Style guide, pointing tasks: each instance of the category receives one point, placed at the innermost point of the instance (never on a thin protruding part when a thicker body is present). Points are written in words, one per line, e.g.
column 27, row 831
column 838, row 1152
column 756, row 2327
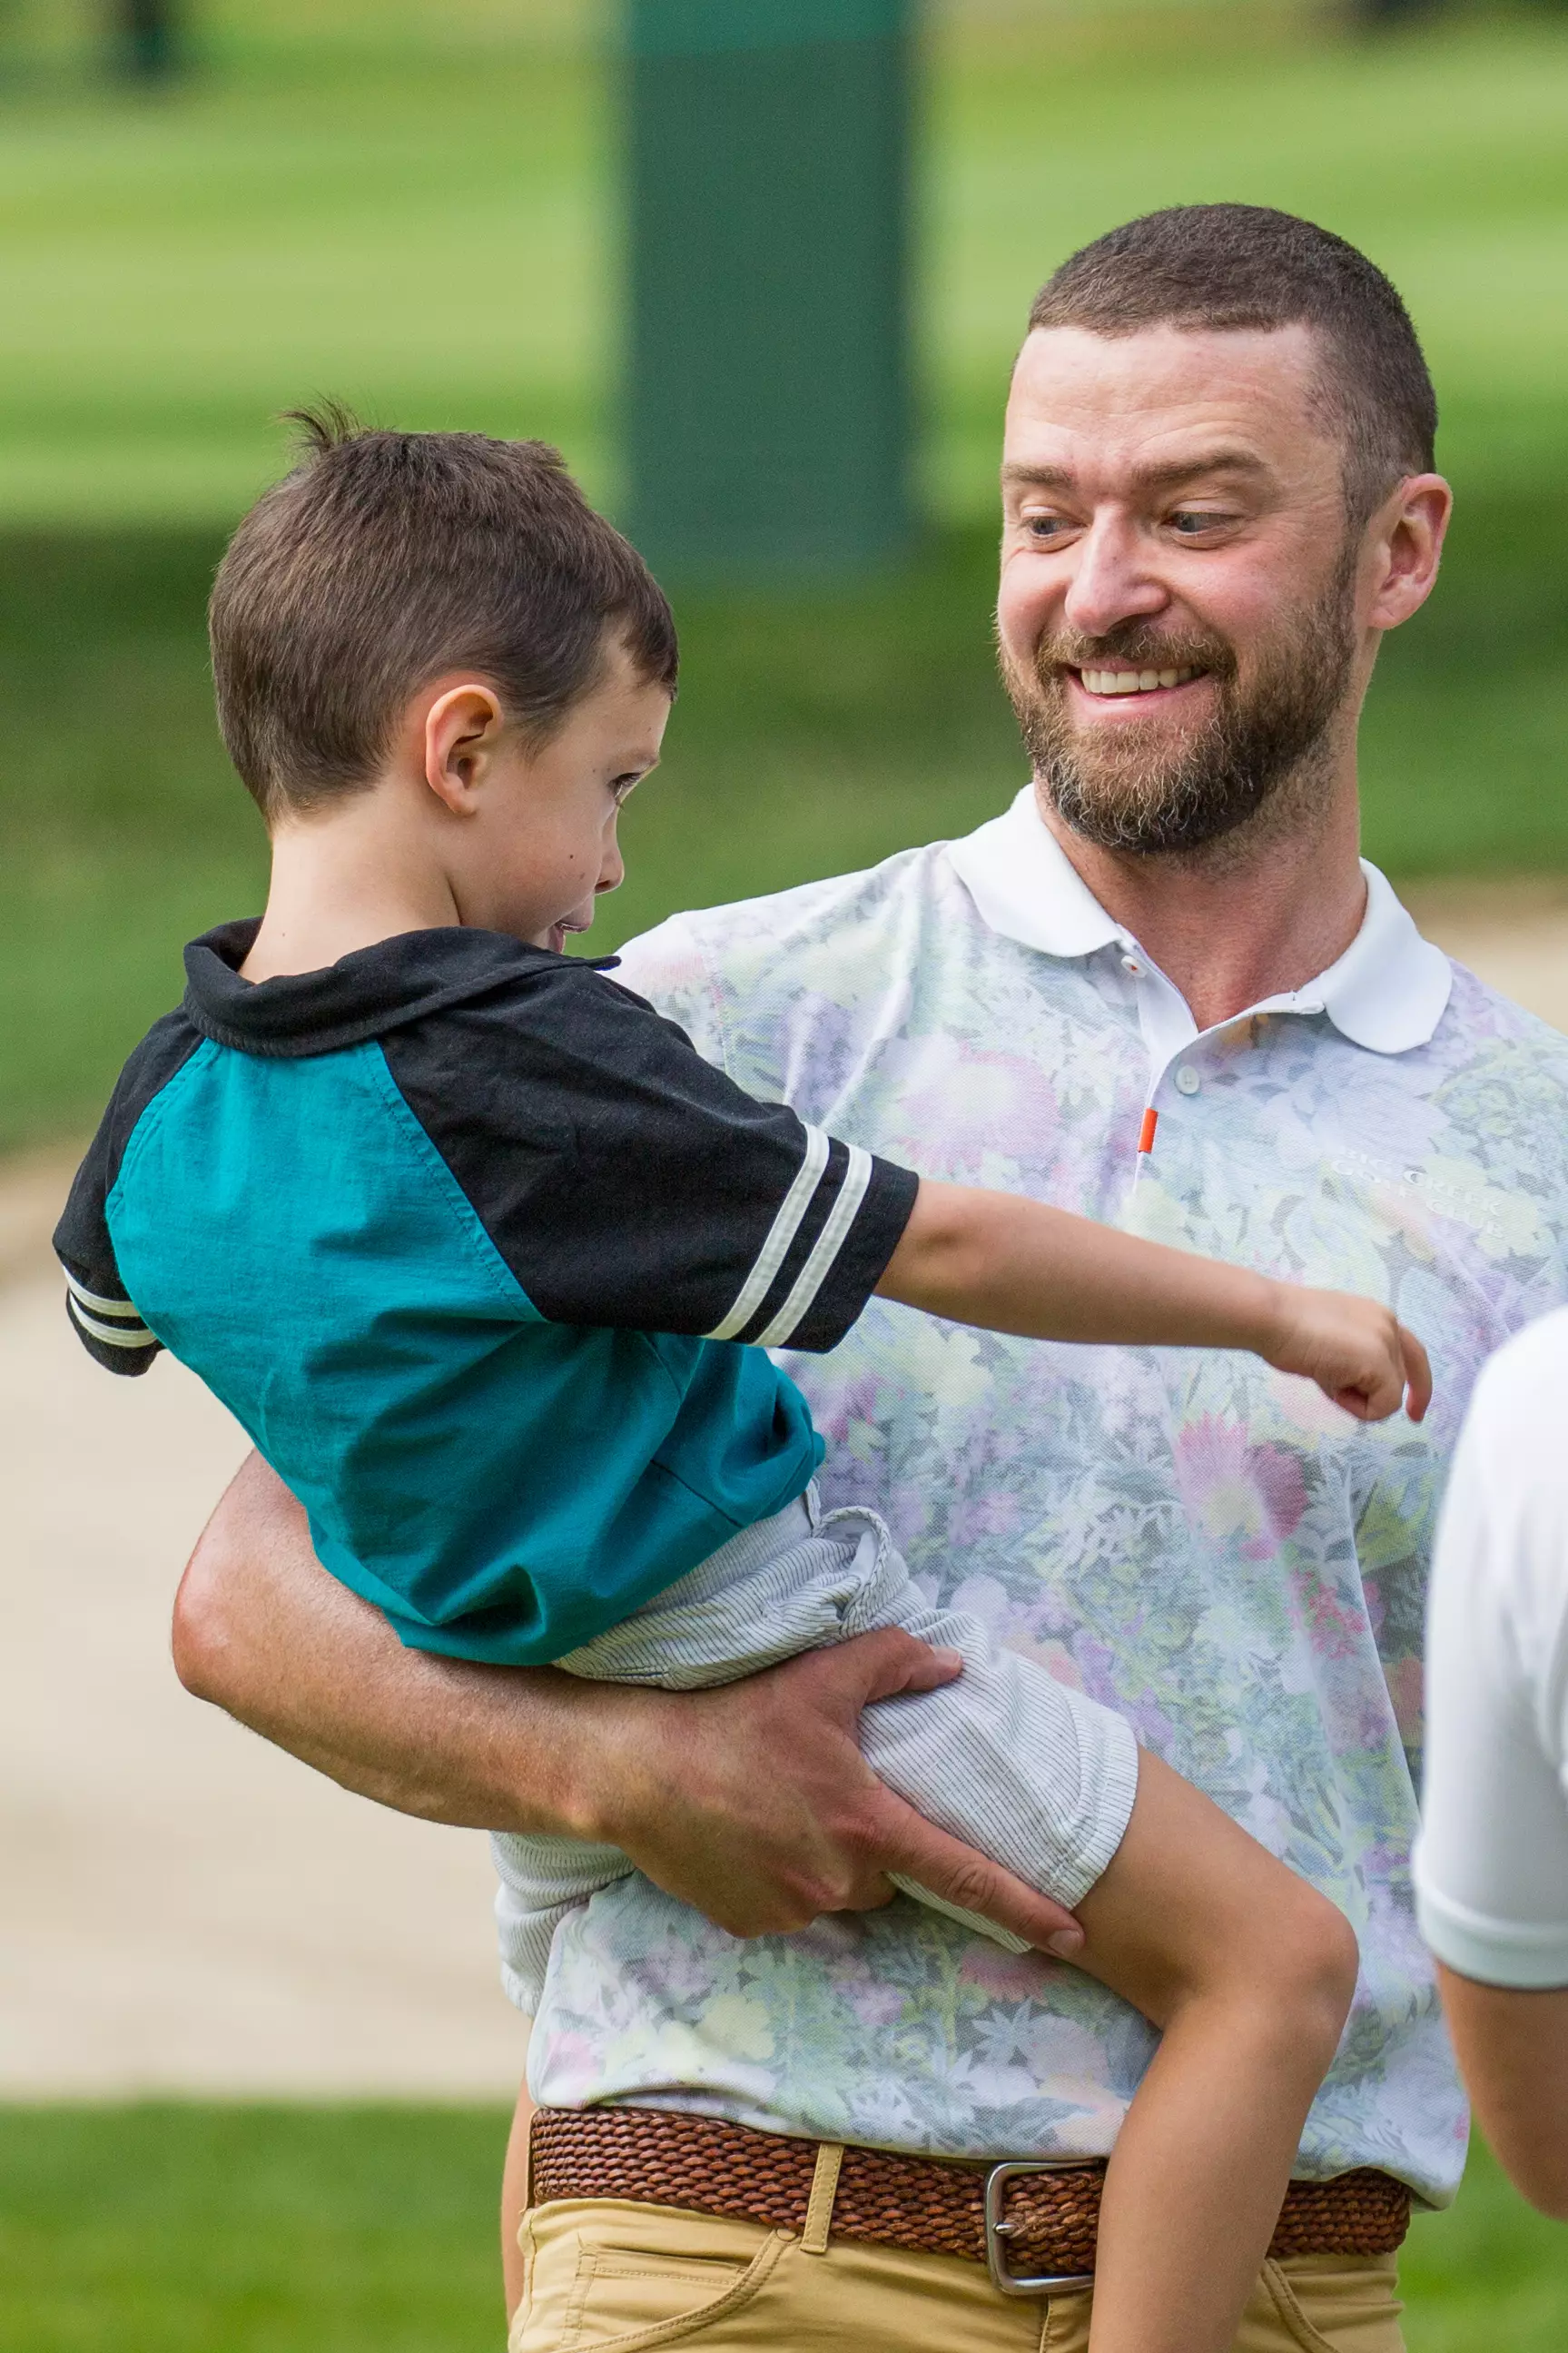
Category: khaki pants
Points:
column 601, row 2273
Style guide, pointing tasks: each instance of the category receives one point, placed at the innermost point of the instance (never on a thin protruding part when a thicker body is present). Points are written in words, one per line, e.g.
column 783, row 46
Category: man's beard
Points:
column 1139, row 789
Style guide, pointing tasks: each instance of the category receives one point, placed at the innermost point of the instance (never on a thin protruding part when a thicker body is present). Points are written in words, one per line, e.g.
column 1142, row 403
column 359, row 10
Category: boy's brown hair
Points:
column 386, row 559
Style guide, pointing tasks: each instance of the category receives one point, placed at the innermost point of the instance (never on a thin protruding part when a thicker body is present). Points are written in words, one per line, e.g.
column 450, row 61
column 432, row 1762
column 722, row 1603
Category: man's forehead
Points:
column 1159, row 398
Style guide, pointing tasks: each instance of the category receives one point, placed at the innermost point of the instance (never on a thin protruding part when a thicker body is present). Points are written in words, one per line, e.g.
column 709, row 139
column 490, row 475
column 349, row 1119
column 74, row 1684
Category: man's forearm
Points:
column 750, row 1802
column 281, row 1645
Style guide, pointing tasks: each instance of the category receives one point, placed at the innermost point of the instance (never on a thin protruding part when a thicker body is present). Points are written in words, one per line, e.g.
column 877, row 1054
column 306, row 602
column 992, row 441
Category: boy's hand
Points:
column 1358, row 1353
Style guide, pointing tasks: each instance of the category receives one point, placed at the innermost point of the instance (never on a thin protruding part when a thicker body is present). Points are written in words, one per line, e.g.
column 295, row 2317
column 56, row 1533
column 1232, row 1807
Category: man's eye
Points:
column 1047, row 527
column 1188, row 521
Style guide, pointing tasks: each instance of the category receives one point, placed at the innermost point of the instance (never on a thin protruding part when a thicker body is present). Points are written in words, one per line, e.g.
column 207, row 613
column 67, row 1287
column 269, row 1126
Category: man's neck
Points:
column 1252, row 917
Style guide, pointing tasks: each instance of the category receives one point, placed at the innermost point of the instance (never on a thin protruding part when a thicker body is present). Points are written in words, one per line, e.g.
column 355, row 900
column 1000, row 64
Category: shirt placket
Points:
column 1173, row 1041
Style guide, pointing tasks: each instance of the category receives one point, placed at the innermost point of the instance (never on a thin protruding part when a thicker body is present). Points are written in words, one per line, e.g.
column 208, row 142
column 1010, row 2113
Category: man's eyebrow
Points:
column 1021, row 476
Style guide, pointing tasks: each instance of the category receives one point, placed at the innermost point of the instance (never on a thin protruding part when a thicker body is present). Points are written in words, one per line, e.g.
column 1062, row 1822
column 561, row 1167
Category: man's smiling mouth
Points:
column 1131, row 681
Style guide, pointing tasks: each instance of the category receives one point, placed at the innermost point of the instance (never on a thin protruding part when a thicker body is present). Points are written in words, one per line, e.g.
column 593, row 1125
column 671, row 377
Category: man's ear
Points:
column 1406, row 544
column 462, row 727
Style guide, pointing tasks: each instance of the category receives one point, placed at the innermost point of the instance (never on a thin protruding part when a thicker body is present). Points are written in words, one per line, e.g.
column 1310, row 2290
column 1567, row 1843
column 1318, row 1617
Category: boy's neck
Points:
column 342, row 883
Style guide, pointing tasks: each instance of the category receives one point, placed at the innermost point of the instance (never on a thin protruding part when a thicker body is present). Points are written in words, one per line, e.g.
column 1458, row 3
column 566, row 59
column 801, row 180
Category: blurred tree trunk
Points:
column 767, row 373
column 1392, row 12
column 146, row 37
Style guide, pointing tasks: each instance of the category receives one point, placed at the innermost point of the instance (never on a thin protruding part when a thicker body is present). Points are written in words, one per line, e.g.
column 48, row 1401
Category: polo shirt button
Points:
column 1131, row 965
column 1187, row 1080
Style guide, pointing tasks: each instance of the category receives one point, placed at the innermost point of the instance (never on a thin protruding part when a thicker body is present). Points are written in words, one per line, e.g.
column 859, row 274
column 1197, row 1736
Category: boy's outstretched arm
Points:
column 1014, row 1265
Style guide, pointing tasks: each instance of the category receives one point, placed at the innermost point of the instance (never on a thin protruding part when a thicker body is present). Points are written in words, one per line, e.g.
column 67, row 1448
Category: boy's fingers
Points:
column 917, row 1850
column 1417, row 1375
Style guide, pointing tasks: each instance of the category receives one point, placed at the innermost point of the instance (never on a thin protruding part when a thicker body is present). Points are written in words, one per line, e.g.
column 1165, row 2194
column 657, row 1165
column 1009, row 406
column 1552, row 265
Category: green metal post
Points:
column 148, row 38
column 767, row 392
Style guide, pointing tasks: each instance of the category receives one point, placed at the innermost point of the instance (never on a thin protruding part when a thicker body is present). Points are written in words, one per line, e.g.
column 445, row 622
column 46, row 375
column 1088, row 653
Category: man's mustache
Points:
column 1135, row 646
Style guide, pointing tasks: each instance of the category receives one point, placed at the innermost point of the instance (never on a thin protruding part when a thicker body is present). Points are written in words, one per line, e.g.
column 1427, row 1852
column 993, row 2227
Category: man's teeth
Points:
column 1132, row 681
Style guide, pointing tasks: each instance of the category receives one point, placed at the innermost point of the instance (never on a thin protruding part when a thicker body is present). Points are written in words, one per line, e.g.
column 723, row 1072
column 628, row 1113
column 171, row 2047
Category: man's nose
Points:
column 1113, row 579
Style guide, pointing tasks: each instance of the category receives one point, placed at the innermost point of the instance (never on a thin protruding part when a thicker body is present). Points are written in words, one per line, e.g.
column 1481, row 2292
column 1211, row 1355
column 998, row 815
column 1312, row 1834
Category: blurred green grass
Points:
column 424, row 236
column 188, row 2228
column 413, row 207
column 197, row 2229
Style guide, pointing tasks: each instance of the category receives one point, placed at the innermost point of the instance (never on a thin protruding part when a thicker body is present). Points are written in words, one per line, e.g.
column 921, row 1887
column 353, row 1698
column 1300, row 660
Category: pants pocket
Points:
column 628, row 2297
column 1328, row 2304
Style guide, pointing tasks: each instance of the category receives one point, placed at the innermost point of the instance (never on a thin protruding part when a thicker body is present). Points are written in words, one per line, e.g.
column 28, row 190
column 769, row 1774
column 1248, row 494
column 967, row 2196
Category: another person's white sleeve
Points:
column 1492, row 1868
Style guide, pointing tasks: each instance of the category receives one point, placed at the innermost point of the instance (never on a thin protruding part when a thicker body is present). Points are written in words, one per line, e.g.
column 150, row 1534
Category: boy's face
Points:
column 545, row 846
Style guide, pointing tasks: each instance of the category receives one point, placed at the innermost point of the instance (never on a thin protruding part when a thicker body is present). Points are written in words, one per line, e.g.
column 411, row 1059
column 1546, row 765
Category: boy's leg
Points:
column 1007, row 1758
column 1246, row 1971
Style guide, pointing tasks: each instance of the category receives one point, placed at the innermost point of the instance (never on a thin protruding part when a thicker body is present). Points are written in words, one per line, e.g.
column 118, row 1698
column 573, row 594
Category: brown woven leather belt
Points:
column 1046, row 2215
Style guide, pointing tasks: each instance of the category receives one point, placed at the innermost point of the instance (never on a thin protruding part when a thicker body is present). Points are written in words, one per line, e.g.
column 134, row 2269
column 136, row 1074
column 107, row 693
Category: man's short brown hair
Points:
column 385, row 560
column 1237, row 265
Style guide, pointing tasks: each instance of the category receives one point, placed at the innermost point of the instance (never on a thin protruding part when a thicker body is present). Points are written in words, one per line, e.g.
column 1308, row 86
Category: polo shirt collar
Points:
column 1387, row 992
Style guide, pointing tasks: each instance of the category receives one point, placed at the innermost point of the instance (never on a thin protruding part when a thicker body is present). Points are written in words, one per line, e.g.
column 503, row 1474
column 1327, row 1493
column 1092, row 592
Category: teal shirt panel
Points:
column 502, row 1487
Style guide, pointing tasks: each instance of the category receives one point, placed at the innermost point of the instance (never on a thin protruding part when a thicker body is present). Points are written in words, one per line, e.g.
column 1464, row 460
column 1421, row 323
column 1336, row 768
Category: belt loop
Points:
column 819, row 2206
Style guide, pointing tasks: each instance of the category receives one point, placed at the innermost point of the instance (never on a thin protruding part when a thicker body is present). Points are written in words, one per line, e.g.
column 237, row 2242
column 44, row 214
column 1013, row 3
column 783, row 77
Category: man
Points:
column 1162, row 989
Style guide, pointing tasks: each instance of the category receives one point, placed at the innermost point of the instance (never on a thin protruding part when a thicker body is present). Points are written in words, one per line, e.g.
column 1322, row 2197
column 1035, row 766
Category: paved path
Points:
column 183, row 1908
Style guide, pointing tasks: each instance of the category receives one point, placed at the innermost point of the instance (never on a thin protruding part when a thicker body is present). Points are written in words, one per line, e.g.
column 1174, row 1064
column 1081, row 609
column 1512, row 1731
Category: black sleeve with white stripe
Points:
column 103, row 1317
column 628, row 1182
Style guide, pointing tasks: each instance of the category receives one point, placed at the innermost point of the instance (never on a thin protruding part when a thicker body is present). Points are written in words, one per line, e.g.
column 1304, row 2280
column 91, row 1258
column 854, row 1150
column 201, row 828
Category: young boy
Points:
column 487, row 1260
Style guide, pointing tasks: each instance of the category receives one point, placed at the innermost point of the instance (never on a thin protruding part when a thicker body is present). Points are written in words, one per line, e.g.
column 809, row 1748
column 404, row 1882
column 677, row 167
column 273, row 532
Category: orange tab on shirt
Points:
column 1146, row 1133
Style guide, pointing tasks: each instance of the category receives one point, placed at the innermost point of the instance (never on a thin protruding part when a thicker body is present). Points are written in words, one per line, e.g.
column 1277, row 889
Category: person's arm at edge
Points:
column 1512, row 2049
column 1491, row 1864
column 752, row 1803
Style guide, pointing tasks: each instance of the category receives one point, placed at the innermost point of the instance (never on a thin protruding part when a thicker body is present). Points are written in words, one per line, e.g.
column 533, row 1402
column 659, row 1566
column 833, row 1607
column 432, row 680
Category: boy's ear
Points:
column 462, row 727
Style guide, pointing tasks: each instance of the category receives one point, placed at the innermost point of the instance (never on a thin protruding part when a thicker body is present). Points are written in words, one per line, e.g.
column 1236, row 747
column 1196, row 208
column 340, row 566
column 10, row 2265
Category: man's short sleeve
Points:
column 1492, row 1863
column 630, row 1184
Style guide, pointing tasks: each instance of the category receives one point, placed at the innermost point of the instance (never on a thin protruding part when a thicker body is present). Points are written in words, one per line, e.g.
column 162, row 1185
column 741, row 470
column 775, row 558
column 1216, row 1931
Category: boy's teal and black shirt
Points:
column 465, row 1235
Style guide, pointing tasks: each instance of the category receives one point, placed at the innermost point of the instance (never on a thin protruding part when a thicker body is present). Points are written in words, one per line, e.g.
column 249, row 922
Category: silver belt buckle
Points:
column 997, row 2230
